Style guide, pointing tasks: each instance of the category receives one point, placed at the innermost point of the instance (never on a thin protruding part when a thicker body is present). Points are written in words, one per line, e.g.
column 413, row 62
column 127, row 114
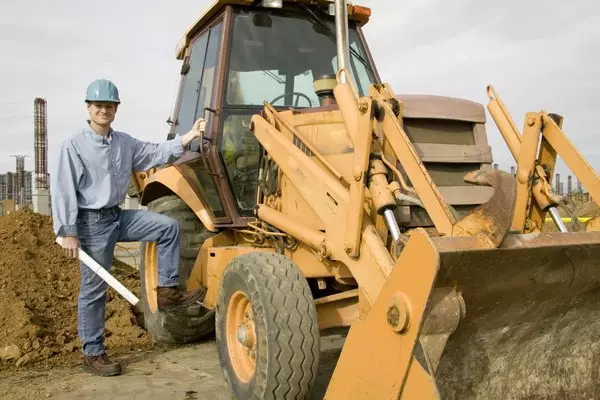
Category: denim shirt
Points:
column 94, row 172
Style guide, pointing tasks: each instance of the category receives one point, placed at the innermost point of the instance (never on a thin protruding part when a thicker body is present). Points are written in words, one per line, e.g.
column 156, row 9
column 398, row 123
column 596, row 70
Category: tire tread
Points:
column 294, row 340
column 171, row 326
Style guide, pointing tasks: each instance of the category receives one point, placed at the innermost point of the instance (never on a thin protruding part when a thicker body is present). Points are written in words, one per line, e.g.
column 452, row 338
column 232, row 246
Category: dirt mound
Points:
column 582, row 209
column 39, row 287
column 589, row 209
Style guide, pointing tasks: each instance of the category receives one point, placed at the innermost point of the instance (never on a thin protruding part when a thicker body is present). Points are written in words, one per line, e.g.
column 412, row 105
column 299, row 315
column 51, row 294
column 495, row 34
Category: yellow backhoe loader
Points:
column 318, row 198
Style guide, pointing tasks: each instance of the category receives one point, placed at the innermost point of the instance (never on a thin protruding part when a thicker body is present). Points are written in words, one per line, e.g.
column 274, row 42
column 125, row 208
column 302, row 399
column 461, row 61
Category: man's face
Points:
column 102, row 113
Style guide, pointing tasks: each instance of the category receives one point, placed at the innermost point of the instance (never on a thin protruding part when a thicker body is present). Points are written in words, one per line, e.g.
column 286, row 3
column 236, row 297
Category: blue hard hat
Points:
column 102, row 90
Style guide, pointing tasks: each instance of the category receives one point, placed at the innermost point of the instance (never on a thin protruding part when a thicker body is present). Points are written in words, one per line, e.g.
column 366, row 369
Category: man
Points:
column 92, row 177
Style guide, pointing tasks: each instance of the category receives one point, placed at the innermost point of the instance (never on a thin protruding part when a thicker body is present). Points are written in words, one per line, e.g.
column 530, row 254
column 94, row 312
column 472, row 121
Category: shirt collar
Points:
column 99, row 138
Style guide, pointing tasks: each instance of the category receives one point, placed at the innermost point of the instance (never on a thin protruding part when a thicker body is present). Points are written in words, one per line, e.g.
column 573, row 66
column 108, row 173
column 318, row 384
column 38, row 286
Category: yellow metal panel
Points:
column 173, row 179
column 295, row 206
column 377, row 359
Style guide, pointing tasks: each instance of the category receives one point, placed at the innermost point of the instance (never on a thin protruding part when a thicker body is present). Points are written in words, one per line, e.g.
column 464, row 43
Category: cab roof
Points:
column 217, row 5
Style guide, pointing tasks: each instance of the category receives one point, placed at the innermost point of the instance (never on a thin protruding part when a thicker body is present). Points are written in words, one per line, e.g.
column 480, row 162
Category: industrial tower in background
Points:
column 20, row 184
column 41, row 196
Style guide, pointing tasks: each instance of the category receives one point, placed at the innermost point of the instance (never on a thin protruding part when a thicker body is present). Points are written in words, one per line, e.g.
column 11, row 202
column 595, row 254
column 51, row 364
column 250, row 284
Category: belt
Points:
column 103, row 210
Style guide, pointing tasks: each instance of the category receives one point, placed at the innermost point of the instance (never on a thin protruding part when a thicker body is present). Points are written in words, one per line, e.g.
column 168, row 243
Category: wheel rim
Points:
column 241, row 336
column 151, row 275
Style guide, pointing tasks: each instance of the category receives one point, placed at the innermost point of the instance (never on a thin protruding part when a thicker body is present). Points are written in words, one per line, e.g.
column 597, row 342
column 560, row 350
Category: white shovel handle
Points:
column 105, row 275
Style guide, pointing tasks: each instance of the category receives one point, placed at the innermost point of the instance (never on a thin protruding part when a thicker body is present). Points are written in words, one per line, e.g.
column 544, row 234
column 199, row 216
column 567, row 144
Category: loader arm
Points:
column 395, row 297
column 535, row 152
column 389, row 352
column 489, row 223
column 393, row 293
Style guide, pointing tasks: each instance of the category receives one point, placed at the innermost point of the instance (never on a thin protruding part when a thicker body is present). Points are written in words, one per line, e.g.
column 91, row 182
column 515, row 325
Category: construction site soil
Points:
column 39, row 286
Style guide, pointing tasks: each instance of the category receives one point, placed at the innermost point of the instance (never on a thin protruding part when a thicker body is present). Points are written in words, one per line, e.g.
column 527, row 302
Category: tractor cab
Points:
column 235, row 58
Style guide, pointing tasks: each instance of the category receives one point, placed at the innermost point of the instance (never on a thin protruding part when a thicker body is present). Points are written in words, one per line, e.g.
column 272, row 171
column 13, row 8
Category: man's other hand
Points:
column 199, row 126
column 71, row 246
column 197, row 130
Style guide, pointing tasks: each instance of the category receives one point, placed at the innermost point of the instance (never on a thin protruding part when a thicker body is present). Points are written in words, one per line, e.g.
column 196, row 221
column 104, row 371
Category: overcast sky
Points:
column 538, row 54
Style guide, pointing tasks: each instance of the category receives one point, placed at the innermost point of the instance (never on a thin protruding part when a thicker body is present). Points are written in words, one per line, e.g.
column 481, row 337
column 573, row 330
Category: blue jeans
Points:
column 99, row 231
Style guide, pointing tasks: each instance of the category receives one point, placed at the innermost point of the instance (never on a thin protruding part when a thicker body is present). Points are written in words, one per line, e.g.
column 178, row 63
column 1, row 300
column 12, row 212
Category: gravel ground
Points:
column 176, row 373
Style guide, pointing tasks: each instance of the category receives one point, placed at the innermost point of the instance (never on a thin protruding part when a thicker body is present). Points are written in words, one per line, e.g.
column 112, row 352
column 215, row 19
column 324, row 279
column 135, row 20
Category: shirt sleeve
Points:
column 63, row 188
column 147, row 155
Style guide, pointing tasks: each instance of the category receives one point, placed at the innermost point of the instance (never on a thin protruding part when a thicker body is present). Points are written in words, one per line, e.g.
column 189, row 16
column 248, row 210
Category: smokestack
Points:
column 558, row 186
column 28, row 188
column 3, row 191
column 512, row 171
column 10, row 186
column 569, row 185
column 20, row 181
column 40, row 143
column 579, row 187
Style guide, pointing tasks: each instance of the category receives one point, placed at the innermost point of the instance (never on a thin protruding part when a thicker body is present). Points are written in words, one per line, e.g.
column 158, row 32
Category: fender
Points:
column 180, row 180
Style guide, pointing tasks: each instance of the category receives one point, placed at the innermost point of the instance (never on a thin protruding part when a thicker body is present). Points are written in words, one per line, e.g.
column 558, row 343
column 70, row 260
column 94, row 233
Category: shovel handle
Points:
column 105, row 275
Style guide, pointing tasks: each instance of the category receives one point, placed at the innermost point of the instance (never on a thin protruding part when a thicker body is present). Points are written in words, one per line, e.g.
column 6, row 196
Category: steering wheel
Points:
column 292, row 93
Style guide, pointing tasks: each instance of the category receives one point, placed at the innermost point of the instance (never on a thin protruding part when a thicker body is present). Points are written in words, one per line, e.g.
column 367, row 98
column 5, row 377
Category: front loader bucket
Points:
column 531, row 327
column 521, row 321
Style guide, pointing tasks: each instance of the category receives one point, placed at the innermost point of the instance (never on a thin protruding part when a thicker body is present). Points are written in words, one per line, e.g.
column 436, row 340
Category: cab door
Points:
column 197, row 98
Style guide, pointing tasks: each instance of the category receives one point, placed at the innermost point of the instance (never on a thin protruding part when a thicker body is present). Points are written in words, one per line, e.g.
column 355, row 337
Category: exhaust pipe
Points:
column 341, row 32
column 345, row 97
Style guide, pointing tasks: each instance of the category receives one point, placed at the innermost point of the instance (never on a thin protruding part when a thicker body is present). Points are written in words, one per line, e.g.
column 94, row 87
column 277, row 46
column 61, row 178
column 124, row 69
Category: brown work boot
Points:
column 169, row 297
column 101, row 365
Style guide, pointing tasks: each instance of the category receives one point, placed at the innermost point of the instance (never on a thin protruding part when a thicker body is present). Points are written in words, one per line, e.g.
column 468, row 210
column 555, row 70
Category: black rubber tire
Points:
column 191, row 323
column 286, row 325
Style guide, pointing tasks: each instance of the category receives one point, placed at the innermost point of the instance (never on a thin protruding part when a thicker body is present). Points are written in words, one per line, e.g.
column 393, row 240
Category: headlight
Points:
column 272, row 3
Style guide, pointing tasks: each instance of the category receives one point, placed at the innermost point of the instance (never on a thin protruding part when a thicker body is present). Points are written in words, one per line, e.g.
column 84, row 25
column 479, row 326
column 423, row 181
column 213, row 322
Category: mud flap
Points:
column 378, row 360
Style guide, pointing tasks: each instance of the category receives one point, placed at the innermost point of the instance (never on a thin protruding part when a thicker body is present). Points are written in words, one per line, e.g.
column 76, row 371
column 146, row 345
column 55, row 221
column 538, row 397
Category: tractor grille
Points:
column 302, row 146
column 439, row 131
column 447, row 174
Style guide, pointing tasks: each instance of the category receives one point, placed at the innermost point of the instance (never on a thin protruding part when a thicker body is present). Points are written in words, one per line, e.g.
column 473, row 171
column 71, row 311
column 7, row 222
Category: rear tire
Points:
column 280, row 358
column 179, row 325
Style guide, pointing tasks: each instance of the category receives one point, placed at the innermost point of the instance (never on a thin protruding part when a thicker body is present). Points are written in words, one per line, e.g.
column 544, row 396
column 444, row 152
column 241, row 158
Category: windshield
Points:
column 277, row 54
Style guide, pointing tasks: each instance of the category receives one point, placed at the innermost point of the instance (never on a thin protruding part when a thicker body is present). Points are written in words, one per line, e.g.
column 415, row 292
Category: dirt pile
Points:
column 39, row 287
column 582, row 210
column 589, row 209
